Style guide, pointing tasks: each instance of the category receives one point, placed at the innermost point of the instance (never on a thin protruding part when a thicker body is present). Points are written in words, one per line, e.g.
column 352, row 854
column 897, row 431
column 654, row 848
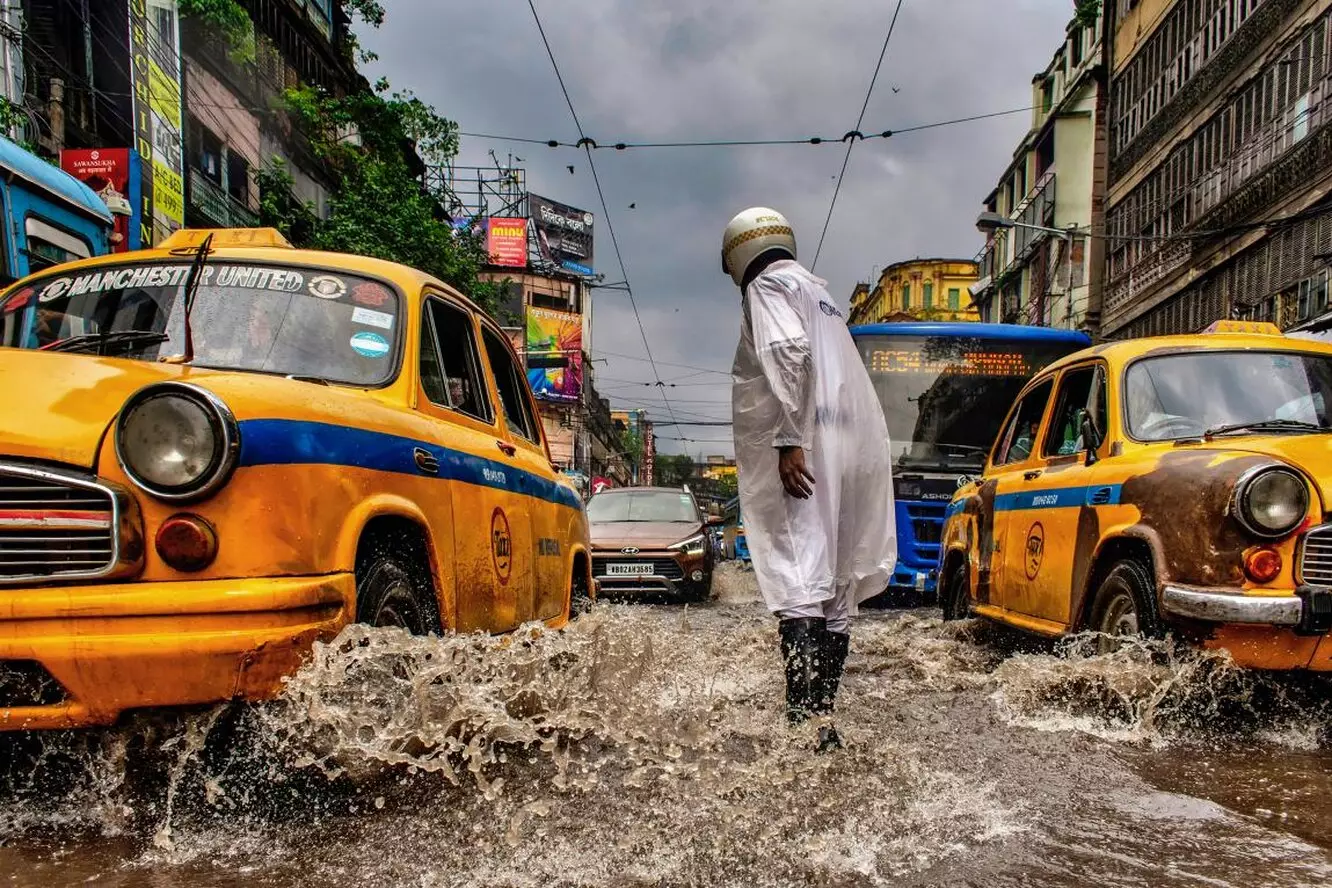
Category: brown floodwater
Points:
column 645, row 746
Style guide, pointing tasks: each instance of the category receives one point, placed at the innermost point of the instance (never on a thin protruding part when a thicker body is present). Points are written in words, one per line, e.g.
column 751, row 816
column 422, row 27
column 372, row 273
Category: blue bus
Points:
column 945, row 389
column 51, row 217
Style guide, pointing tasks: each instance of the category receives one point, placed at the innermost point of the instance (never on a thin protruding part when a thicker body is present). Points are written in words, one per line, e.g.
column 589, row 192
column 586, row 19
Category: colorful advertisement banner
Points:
column 555, row 354
column 114, row 173
column 506, row 242
column 154, row 36
column 564, row 233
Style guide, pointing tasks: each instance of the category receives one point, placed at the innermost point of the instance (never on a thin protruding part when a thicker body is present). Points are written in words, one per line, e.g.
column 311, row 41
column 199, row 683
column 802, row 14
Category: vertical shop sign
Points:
column 155, row 71
column 506, row 242
column 114, row 174
column 555, row 354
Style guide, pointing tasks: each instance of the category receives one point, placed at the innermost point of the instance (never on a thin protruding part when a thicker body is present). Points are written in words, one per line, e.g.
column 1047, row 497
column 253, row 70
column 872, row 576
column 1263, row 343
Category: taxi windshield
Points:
column 646, row 506
column 1193, row 394
column 266, row 318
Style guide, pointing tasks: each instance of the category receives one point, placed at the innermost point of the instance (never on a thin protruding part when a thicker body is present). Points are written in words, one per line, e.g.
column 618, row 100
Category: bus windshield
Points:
column 945, row 396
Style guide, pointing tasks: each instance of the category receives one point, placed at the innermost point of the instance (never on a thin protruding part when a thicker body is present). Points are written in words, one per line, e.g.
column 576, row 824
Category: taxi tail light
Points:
column 186, row 542
column 1262, row 564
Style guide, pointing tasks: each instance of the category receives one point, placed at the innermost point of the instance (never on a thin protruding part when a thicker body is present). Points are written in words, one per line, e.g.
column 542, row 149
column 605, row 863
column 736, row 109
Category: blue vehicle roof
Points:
column 1016, row 332
column 57, row 183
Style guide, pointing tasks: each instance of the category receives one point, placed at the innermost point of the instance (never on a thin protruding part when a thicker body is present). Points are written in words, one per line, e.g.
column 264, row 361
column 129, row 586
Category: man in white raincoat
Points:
column 812, row 450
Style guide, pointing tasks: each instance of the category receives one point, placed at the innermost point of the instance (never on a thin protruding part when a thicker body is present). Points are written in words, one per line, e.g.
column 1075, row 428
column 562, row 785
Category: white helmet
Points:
column 752, row 233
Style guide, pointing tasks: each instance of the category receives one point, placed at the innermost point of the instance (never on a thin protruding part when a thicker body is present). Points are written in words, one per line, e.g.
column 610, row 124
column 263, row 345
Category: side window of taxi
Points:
column 1019, row 437
column 517, row 410
column 1081, row 391
column 450, row 369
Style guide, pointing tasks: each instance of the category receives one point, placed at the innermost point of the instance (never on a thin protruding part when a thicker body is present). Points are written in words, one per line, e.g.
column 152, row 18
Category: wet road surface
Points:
column 644, row 746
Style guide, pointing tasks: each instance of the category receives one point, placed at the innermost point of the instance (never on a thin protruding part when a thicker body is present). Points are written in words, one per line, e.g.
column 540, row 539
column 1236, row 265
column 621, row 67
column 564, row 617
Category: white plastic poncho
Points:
column 799, row 380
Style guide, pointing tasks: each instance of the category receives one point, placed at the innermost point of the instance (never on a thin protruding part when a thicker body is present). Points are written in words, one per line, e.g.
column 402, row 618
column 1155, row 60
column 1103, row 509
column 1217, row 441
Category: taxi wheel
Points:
column 1123, row 606
column 390, row 594
column 954, row 601
column 580, row 598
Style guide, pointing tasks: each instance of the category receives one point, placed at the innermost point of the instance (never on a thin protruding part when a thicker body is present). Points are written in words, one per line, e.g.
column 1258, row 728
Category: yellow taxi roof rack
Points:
column 223, row 238
column 1252, row 328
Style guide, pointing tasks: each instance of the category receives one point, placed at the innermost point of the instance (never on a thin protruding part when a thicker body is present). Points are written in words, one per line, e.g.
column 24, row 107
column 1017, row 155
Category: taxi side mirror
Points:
column 1091, row 438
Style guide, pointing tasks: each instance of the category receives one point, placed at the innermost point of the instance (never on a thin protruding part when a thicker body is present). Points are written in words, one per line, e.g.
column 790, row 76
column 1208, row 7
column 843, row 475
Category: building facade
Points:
column 918, row 289
column 1054, row 181
column 1220, row 163
column 177, row 117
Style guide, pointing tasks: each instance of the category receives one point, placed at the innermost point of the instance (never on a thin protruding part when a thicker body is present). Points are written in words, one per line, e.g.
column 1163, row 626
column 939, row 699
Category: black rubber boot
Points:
column 802, row 651
column 834, row 647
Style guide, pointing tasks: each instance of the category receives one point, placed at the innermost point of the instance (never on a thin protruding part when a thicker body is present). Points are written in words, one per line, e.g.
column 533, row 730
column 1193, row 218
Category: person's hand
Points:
column 797, row 480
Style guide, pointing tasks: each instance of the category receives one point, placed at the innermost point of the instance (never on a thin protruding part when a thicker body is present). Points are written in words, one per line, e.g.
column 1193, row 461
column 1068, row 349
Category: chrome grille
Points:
column 1316, row 557
column 54, row 526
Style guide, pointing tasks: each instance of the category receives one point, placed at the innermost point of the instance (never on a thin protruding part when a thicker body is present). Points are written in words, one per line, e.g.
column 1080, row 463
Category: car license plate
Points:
column 629, row 570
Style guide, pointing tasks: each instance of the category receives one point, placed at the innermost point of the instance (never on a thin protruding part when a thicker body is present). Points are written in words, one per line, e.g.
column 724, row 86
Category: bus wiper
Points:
column 100, row 341
column 1266, row 425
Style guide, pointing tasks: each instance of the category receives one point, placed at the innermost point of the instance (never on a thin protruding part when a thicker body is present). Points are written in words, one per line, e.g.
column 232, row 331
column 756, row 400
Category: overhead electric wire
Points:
column 837, row 189
column 605, row 208
column 853, row 136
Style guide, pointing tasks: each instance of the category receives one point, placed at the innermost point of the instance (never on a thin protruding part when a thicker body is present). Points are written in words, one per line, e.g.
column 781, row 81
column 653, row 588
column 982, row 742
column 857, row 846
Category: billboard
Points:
column 563, row 232
column 114, row 173
column 555, row 354
column 506, row 242
column 154, row 41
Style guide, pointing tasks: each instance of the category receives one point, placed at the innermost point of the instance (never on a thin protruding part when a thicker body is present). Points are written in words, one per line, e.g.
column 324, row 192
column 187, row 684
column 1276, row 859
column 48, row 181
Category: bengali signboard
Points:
column 555, row 354
column 115, row 175
column 155, row 72
column 563, row 232
column 506, row 242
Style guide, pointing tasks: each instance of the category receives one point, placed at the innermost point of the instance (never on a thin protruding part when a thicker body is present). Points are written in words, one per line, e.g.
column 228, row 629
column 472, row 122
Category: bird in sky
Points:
column 570, row 169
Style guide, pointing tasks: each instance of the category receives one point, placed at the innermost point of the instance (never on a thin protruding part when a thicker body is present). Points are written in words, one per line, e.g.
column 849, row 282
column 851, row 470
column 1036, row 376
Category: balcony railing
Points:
column 210, row 200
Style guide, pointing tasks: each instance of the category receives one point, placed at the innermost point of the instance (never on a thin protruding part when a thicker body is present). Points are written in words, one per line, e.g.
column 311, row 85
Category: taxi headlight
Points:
column 1271, row 502
column 691, row 546
column 176, row 441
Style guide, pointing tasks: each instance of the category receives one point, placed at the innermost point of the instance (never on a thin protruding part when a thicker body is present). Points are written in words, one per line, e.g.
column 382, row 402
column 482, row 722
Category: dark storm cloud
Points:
column 700, row 69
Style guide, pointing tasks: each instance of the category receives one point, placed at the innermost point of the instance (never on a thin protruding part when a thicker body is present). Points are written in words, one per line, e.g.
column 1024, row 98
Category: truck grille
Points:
column 661, row 567
column 53, row 526
column 1316, row 557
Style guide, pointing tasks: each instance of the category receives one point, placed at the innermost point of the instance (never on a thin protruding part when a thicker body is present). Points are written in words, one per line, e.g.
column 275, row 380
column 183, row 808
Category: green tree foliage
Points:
column 674, row 470
column 1086, row 12
column 379, row 206
column 231, row 21
column 365, row 141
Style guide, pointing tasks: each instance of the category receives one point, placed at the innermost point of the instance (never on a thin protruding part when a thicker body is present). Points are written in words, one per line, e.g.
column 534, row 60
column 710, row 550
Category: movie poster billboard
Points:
column 564, row 233
column 115, row 175
column 506, row 242
column 555, row 354
column 155, row 72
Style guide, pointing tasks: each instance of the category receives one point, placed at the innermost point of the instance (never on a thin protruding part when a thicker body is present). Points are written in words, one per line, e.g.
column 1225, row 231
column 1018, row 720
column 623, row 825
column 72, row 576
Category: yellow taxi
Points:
column 1178, row 484
column 216, row 452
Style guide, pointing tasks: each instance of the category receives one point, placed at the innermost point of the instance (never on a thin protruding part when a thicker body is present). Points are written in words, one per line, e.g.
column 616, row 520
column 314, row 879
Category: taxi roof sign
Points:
column 191, row 238
column 1255, row 328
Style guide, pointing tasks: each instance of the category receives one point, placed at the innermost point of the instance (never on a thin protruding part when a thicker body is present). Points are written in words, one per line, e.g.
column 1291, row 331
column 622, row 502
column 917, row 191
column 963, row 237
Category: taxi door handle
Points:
column 1032, row 475
column 426, row 463
column 505, row 448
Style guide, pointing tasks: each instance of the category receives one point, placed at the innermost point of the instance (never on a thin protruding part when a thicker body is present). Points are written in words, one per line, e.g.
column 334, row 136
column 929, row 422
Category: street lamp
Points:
column 988, row 223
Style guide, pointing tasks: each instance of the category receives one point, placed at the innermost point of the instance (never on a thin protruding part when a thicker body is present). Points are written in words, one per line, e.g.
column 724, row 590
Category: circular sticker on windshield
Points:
column 327, row 287
column 370, row 345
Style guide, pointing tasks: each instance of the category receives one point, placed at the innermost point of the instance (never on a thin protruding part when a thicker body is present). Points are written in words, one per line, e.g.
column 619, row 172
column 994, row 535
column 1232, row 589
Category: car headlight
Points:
column 1271, row 502
column 692, row 546
column 176, row 441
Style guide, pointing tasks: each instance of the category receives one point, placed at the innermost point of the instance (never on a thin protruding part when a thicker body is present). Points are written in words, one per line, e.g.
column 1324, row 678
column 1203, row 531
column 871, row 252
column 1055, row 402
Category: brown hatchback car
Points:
column 651, row 540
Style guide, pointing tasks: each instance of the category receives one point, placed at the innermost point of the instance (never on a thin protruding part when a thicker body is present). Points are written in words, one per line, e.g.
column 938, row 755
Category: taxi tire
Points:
column 1129, row 582
column 580, row 597
column 387, row 586
column 954, row 601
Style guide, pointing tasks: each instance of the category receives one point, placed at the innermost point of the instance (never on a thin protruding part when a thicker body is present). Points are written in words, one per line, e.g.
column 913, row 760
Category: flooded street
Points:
column 645, row 746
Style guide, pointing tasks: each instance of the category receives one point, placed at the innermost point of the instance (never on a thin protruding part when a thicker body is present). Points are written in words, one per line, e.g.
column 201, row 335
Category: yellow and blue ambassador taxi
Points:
column 216, row 452
column 1175, row 483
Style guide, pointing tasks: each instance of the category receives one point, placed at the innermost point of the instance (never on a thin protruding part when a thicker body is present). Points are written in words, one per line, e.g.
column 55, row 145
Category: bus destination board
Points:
column 967, row 363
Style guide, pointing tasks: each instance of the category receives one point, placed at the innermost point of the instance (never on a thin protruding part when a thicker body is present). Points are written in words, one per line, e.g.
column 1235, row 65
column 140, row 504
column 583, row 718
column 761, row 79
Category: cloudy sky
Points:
column 689, row 70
